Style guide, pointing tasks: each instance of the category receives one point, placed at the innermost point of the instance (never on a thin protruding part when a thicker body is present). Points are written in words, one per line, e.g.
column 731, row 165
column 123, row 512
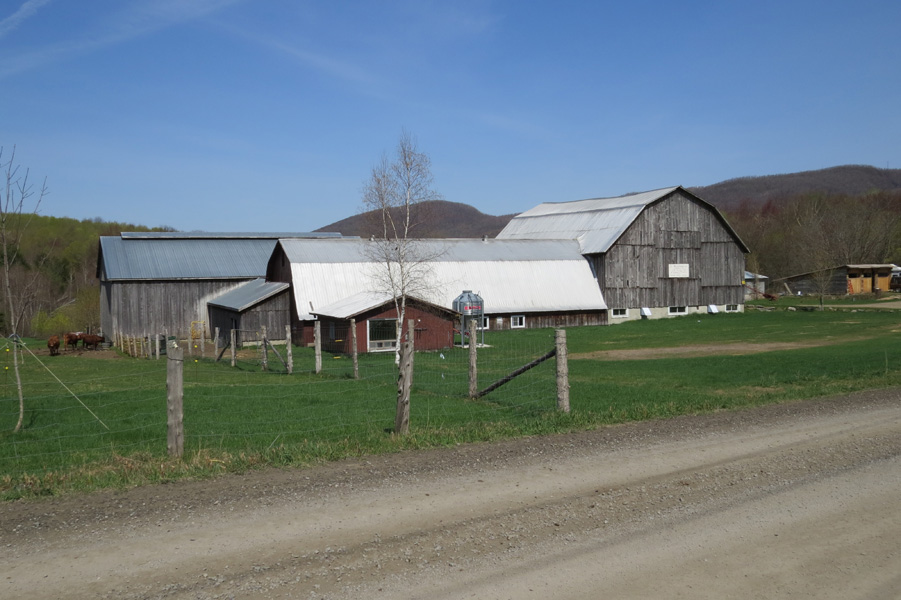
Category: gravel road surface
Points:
column 801, row 500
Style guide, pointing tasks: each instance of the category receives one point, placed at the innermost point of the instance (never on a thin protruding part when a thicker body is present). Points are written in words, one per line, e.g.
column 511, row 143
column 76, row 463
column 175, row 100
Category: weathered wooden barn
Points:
column 838, row 281
column 659, row 253
column 524, row 283
column 375, row 322
column 249, row 308
column 154, row 282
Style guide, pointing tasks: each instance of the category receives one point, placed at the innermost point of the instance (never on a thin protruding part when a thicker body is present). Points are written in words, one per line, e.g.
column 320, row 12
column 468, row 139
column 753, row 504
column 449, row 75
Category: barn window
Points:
column 518, row 321
column 620, row 313
column 484, row 323
column 732, row 308
column 382, row 334
column 677, row 310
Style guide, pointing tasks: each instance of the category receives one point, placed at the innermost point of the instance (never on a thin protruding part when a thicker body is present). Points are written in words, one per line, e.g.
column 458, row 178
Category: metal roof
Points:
column 249, row 294
column 361, row 302
column 511, row 275
column 595, row 223
column 344, row 250
column 166, row 259
column 206, row 235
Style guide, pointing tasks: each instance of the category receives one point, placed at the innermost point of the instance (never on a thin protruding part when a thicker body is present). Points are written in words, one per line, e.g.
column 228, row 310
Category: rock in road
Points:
column 800, row 500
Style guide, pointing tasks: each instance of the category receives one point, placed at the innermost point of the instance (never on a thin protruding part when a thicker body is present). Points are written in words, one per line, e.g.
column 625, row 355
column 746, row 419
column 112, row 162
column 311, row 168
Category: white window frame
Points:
column 732, row 308
column 380, row 345
column 484, row 323
column 623, row 313
column 677, row 310
column 520, row 319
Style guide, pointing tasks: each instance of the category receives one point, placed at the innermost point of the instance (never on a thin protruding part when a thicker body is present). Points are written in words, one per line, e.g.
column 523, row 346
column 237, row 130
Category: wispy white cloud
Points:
column 28, row 8
column 136, row 20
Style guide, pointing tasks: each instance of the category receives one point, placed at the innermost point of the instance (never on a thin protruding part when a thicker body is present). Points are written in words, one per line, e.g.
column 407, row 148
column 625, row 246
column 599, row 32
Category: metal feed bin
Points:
column 471, row 306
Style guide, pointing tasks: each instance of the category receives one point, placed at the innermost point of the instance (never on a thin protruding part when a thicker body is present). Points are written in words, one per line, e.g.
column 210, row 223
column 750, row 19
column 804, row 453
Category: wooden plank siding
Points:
column 272, row 312
column 634, row 273
column 132, row 308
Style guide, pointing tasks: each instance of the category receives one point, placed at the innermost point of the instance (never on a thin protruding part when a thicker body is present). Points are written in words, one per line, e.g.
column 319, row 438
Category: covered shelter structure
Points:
column 838, row 281
column 525, row 284
column 250, row 307
column 374, row 318
column 660, row 253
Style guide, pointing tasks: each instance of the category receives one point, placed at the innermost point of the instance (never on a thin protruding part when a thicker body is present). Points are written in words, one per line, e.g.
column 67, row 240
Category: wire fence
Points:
column 86, row 407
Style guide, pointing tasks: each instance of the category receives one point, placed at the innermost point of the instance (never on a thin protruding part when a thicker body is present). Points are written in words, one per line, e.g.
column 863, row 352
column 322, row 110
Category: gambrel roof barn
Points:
column 656, row 253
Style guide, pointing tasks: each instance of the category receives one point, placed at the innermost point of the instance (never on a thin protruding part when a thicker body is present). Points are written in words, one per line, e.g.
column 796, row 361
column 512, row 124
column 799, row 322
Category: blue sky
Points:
column 267, row 115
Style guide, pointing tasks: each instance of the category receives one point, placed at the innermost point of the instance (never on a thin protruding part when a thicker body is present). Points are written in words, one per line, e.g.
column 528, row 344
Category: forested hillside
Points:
column 752, row 193
column 54, row 274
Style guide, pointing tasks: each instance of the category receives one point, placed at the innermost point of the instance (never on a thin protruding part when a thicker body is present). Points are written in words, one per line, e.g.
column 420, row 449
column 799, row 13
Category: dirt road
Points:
column 800, row 501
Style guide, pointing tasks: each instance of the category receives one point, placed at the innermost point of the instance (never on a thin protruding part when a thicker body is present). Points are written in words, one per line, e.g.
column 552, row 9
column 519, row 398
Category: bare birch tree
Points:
column 16, row 194
column 394, row 189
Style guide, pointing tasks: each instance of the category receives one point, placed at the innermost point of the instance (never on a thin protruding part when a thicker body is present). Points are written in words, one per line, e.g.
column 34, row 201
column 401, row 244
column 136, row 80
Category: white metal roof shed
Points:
column 511, row 275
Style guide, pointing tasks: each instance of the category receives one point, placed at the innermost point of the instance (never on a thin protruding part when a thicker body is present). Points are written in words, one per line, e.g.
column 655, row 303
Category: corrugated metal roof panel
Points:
column 351, row 306
column 596, row 223
column 347, row 250
column 143, row 259
column 526, row 285
column 206, row 235
column 249, row 294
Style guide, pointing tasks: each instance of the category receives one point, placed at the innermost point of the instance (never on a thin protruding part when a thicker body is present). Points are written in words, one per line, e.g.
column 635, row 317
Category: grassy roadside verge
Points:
column 235, row 418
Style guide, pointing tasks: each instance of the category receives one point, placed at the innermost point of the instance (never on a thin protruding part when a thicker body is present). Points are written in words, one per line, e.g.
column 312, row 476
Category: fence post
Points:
column 473, row 360
column 317, row 342
column 234, row 338
column 404, row 383
column 353, row 350
column 562, row 371
column 264, row 348
column 288, row 350
column 175, row 365
column 216, row 344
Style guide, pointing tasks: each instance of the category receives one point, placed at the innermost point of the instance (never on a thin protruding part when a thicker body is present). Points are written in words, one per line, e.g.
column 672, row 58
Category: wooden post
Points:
column 562, row 371
column 156, row 341
column 317, row 343
column 175, row 365
column 473, row 360
column 216, row 343
column 353, row 348
column 202, row 340
column 404, row 383
column 265, row 348
column 288, row 350
column 234, row 338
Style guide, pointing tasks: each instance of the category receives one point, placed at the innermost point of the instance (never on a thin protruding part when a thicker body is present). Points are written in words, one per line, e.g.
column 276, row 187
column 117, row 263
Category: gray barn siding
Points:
column 137, row 306
column 272, row 312
column 677, row 229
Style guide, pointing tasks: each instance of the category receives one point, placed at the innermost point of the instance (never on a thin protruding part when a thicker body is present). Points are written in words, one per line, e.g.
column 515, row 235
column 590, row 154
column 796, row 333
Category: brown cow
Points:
column 91, row 341
column 53, row 344
column 71, row 339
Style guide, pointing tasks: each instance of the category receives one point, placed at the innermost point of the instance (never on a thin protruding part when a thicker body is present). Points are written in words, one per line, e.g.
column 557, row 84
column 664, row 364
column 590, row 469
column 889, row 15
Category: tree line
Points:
column 814, row 231
column 54, row 274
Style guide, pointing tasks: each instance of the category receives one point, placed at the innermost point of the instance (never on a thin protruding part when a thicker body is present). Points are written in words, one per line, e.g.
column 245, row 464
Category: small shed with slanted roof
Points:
column 375, row 320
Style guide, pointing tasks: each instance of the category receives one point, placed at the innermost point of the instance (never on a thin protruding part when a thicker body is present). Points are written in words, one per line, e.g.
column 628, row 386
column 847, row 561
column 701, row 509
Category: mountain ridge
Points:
column 443, row 218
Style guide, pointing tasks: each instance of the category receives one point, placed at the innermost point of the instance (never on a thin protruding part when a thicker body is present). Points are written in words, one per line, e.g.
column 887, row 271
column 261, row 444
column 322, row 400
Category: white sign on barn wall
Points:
column 678, row 271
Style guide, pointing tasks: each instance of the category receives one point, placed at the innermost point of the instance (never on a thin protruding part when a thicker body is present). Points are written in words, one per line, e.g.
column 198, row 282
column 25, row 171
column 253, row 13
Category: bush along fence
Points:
column 176, row 361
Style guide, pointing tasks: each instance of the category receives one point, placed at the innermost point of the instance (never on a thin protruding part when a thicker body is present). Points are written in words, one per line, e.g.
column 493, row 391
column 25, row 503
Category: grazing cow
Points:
column 71, row 339
column 53, row 344
column 91, row 341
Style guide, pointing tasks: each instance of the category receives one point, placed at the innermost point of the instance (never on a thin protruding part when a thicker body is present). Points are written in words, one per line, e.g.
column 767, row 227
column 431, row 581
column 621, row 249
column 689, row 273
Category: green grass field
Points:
column 94, row 422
